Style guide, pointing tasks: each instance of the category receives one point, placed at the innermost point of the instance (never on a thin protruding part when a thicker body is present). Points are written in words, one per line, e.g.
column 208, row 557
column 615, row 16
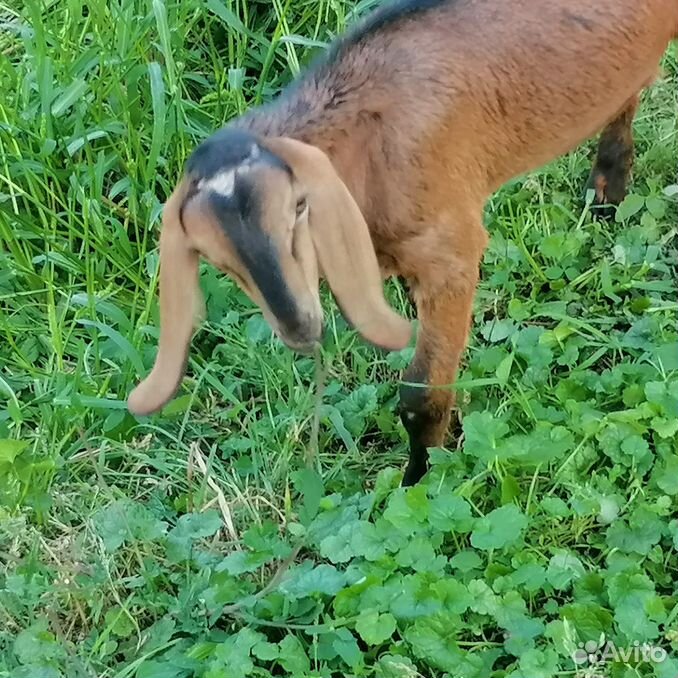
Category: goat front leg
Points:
column 426, row 395
column 614, row 160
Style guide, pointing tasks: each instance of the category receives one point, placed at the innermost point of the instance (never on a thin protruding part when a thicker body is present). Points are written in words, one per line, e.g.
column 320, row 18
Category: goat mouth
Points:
column 303, row 334
column 304, row 342
column 303, row 345
column 303, row 349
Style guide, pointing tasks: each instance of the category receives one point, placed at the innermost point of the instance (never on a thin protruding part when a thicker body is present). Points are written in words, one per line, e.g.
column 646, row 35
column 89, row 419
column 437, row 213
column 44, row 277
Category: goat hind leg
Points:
column 614, row 160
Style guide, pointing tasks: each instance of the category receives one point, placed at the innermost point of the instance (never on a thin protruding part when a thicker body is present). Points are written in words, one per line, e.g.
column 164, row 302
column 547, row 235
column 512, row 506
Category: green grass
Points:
column 197, row 543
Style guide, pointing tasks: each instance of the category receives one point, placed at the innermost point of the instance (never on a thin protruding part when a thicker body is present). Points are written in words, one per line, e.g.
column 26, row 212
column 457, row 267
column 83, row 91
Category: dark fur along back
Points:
column 388, row 13
column 325, row 84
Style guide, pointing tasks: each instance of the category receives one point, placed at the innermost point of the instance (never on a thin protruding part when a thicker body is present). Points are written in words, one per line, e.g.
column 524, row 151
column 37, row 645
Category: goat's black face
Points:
column 261, row 211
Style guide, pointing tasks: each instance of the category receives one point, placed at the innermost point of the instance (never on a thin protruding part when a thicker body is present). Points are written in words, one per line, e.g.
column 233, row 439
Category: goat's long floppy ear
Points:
column 179, row 294
column 343, row 246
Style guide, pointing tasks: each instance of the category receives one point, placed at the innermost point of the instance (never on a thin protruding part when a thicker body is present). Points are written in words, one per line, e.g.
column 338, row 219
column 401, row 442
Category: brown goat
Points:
column 382, row 157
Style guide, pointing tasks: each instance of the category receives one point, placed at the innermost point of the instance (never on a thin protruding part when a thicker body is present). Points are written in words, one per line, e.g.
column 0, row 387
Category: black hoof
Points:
column 414, row 473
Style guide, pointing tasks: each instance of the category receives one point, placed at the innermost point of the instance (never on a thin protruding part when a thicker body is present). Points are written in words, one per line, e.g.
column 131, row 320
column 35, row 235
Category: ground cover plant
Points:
column 254, row 529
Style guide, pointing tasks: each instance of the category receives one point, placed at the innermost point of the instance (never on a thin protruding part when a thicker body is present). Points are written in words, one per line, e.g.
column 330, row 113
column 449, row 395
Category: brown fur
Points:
column 425, row 117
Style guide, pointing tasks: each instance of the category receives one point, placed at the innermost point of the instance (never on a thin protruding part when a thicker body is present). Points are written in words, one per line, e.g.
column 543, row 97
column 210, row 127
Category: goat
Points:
column 378, row 161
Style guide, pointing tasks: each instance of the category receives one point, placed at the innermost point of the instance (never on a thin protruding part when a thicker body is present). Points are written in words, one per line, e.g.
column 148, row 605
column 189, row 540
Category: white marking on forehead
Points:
column 223, row 183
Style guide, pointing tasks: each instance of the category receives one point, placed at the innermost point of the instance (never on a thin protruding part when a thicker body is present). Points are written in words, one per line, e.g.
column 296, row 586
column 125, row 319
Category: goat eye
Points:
column 302, row 204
